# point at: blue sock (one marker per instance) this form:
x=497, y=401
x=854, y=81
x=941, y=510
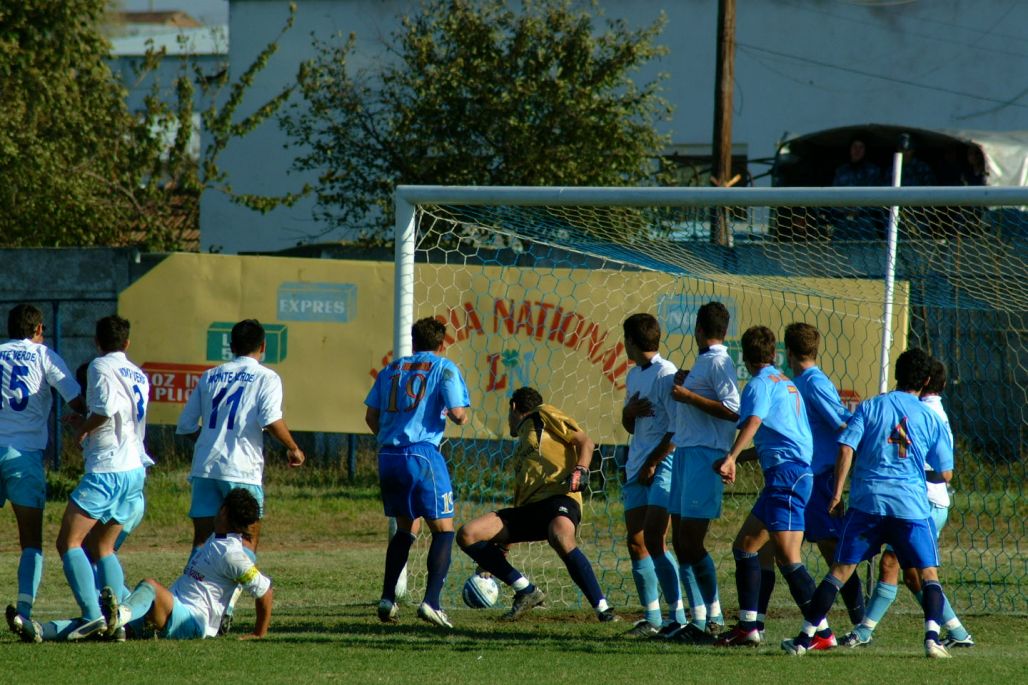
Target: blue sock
x=666, y=568
x=438, y=566
x=801, y=586
x=747, y=583
x=396, y=558
x=140, y=600
x=931, y=601
x=581, y=571
x=819, y=605
x=767, y=587
x=30, y=570
x=881, y=599
x=79, y=573
x=646, y=585
x=110, y=574
x=692, y=592
x=853, y=596
x=492, y=559
x=706, y=579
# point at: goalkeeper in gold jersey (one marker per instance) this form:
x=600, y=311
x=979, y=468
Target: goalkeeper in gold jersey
x=551, y=463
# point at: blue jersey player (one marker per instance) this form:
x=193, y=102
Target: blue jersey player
x=772, y=415
x=887, y=444
x=828, y=417
x=407, y=410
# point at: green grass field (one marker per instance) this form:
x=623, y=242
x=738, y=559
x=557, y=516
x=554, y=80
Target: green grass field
x=323, y=544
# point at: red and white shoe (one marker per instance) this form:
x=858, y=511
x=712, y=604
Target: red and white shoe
x=739, y=637
x=823, y=644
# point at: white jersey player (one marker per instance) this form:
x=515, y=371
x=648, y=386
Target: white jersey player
x=232, y=406
x=28, y=369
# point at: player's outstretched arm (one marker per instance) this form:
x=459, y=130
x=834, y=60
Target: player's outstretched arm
x=459, y=415
x=280, y=431
x=262, y=605
x=745, y=436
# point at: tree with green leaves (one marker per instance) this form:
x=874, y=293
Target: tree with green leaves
x=478, y=93
x=79, y=168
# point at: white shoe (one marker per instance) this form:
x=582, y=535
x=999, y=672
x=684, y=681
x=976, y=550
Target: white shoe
x=388, y=611
x=790, y=647
x=434, y=616
x=88, y=629
x=935, y=650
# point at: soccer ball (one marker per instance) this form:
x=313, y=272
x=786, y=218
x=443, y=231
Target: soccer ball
x=480, y=592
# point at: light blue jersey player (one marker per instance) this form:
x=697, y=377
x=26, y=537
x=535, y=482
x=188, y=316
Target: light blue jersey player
x=773, y=416
x=889, y=568
x=888, y=442
x=28, y=370
x=646, y=416
x=828, y=417
x=407, y=409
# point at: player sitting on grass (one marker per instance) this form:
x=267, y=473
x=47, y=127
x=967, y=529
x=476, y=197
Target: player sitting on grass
x=551, y=468
x=887, y=443
x=193, y=606
x=407, y=409
x=707, y=399
x=28, y=370
x=771, y=414
x=888, y=568
x=648, y=477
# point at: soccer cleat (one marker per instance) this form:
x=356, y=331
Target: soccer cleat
x=823, y=644
x=793, y=648
x=436, y=617
x=26, y=629
x=641, y=629
x=935, y=650
x=692, y=634
x=523, y=601
x=854, y=639
x=715, y=626
x=388, y=611
x=739, y=637
x=225, y=627
x=119, y=635
x=949, y=642
x=110, y=609
x=86, y=629
x=669, y=631
x=607, y=616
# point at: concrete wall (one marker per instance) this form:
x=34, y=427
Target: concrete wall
x=801, y=65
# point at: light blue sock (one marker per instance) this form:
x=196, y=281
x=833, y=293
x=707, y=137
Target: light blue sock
x=79, y=573
x=706, y=578
x=58, y=630
x=881, y=599
x=646, y=583
x=141, y=599
x=666, y=567
x=110, y=574
x=954, y=628
x=30, y=570
x=692, y=593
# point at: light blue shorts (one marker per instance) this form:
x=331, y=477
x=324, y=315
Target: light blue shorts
x=22, y=479
x=695, y=489
x=209, y=494
x=181, y=625
x=636, y=495
x=112, y=496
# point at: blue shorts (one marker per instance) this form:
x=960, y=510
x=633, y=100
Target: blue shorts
x=112, y=496
x=783, y=499
x=940, y=515
x=415, y=482
x=636, y=495
x=819, y=524
x=695, y=488
x=181, y=625
x=22, y=479
x=210, y=493
x=863, y=535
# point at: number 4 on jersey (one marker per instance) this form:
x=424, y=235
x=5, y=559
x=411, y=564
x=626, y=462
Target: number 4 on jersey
x=900, y=438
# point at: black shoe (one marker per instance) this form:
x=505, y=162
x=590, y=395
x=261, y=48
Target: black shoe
x=607, y=615
x=523, y=601
x=669, y=631
x=693, y=635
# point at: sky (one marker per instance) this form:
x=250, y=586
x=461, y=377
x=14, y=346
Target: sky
x=207, y=11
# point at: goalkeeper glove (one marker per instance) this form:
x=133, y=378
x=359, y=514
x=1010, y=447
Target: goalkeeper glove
x=579, y=479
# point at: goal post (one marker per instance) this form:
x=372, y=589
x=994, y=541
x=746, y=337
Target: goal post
x=533, y=284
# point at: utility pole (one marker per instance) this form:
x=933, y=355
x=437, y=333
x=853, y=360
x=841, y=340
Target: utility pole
x=721, y=170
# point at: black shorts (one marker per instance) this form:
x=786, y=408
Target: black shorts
x=531, y=522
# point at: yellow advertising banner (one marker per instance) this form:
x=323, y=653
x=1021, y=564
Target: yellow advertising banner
x=330, y=330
